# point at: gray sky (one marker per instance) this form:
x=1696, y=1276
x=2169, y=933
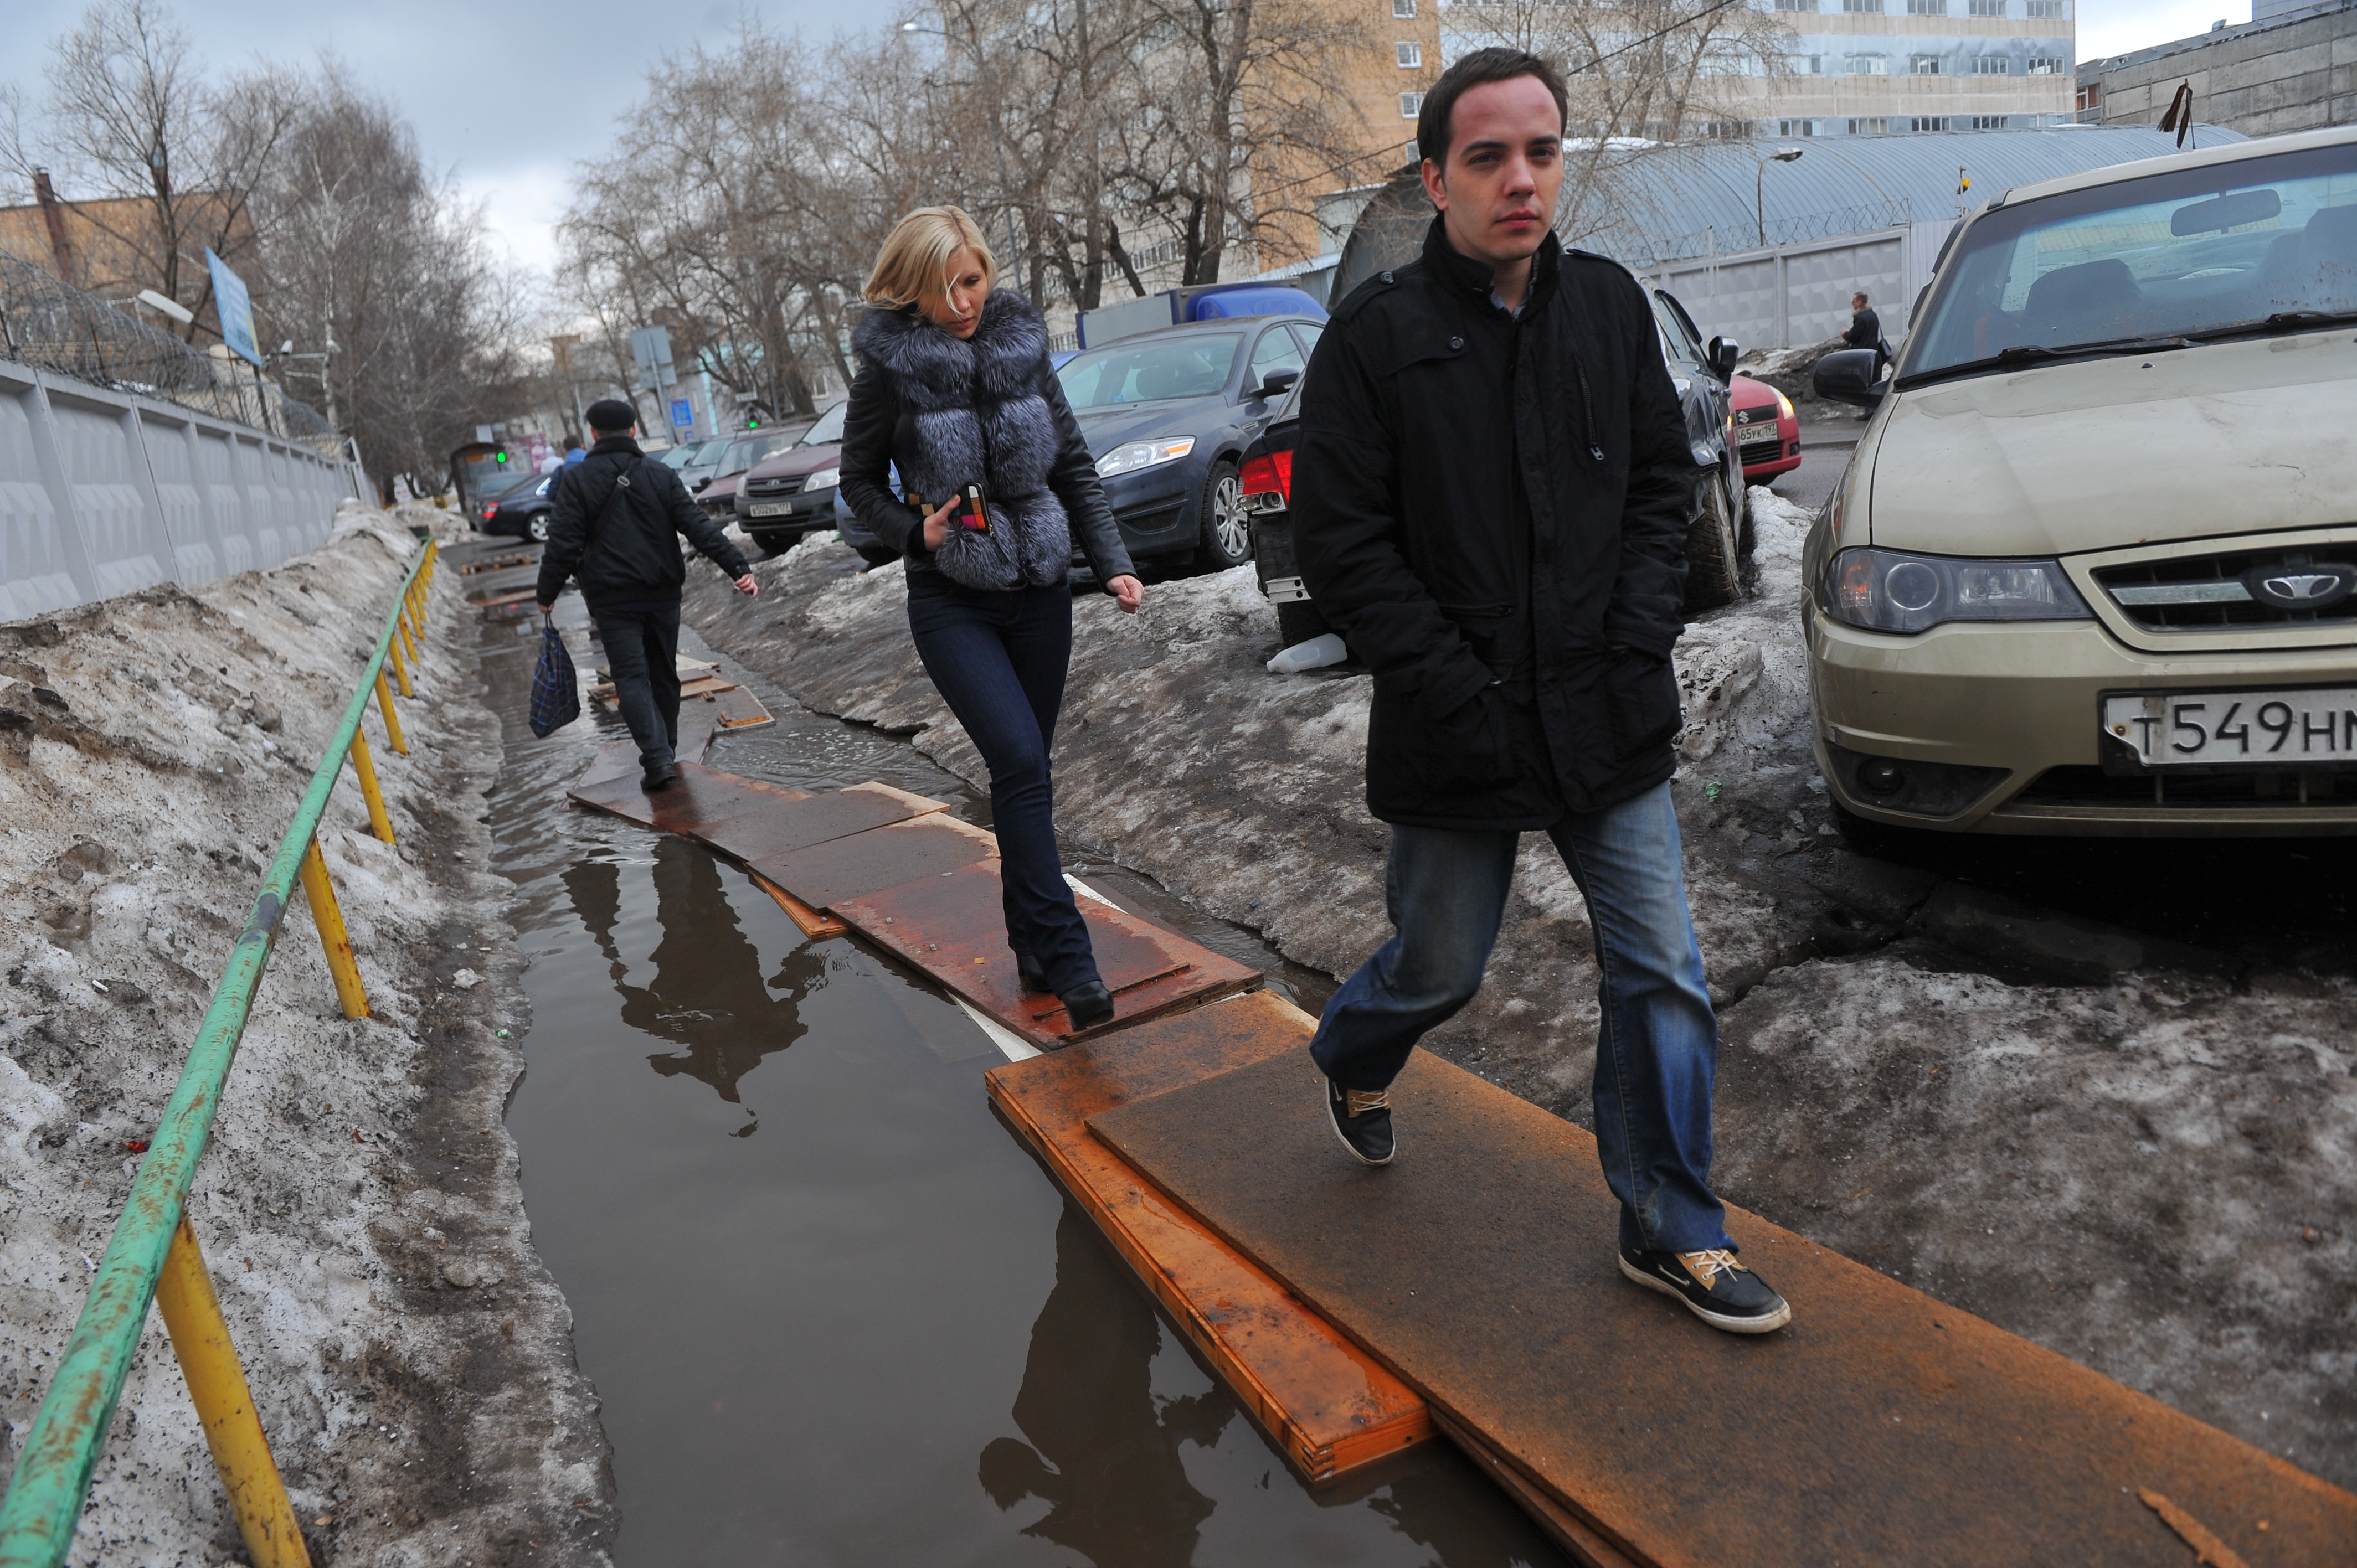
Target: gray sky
x=507, y=96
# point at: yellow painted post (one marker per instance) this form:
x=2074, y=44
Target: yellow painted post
x=391, y=719
x=379, y=823
x=225, y=1405
x=330, y=918
x=400, y=671
x=402, y=623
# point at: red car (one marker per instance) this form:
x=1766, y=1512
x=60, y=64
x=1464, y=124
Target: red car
x=1767, y=431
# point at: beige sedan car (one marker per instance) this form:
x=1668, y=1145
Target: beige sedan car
x=2093, y=568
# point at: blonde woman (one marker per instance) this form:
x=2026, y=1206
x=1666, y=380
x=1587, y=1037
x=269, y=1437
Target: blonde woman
x=954, y=390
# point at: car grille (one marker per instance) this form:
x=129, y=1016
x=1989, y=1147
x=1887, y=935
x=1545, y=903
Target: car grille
x=772, y=487
x=2206, y=592
x=2093, y=787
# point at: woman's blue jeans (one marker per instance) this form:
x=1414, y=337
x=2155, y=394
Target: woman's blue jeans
x=999, y=660
x=1657, y=1037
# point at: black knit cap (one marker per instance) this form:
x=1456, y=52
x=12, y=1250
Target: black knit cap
x=612, y=417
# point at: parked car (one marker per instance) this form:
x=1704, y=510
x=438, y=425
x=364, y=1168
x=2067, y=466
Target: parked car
x=718, y=498
x=1767, y=430
x=855, y=533
x=2093, y=567
x=791, y=494
x=1700, y=373
x=522, y=509
x=1168, y=414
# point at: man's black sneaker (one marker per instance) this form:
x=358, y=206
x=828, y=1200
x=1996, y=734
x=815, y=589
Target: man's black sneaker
x=1362, y=1120
x=655, y=778
x=1715, y=1287
x=1087, y=1004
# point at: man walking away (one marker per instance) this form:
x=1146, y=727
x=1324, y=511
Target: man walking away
x=1494, y=484
x=1865, y=329
x=613, y=524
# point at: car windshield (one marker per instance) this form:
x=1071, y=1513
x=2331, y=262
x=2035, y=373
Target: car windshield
x=752, y=450
x=829, y=427
x=1149, y=372
x=2201, y=251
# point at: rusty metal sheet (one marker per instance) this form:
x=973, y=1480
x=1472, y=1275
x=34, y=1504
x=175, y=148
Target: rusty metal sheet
x=699, y=800
x=954, y=927
x=1882, y=1427
x=738, y=708
x=768, y=830
x=1326, y=1405
x=827, y=874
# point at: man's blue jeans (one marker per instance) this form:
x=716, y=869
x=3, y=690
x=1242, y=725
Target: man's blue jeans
x=1657, y=1037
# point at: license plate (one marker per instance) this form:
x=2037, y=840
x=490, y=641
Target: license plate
x=2175, y=729
x=768, y=508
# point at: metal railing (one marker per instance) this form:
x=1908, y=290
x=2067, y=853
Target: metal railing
x=56, y=327
x=153, y=1254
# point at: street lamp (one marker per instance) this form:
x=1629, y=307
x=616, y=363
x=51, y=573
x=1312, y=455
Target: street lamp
x=1760, y=188
x=998, y=144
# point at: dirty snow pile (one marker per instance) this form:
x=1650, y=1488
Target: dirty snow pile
x=357, y=1205
x=2153, y=1172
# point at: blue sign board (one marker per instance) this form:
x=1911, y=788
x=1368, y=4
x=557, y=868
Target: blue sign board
x=682, y=413
x=235, y=307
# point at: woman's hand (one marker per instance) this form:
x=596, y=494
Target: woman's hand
x=1129, y=592
x=937, y=525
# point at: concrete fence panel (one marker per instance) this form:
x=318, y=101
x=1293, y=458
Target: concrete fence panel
x=40, y=567
x=113, y=494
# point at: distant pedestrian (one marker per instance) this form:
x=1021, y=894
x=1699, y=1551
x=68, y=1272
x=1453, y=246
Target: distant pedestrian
x=1865, y=330
x=954, y=388
x=614, y=524
x=573, y=452
x=1490, y=502
x=551, y=463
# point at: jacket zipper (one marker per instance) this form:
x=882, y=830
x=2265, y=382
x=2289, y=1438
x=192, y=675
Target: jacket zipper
x=1586, y=412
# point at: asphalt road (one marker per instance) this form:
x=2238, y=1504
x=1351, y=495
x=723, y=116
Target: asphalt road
x=1825, y=450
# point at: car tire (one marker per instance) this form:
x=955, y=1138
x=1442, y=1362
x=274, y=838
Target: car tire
x=1299, y=621
x=1226, y=533
x=536, y=529
x=1746, y=537
x=1713, y=560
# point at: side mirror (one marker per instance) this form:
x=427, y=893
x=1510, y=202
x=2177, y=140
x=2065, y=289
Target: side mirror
x=1849, y=376
x=1277, y=382
x=1724, y=352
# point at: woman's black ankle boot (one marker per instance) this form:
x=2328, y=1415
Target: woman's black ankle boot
x=1034, y=977
x=1087, y=1006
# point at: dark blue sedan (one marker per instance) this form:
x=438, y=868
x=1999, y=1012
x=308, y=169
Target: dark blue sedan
x=1168, y=415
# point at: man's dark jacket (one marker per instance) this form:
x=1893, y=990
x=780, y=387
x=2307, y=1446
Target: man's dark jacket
x=1493, y=512
x=628, y=553
x=1865, y=329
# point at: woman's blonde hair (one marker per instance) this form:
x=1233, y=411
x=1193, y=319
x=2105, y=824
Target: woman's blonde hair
x=914, y=264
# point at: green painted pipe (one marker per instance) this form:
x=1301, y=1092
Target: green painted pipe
x=45, y=1497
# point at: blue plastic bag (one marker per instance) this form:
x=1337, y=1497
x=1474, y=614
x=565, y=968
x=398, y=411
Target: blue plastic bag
x=555, y=694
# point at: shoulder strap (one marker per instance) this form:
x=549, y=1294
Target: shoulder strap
x=620, y=487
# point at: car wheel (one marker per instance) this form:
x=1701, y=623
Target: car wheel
x=1227, y=526
x=1746, y=537
x=1712, y=558
x=1298, y=621
x=537, y=529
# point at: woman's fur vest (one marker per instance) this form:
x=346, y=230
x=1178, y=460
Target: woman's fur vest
x=979, y=416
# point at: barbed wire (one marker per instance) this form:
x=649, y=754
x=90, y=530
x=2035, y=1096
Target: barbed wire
x=53, y=326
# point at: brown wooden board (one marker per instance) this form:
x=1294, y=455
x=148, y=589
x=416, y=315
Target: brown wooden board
x=827, y=874
x=1882, y=1427
x=813, y=923
x=954, y=927
x=1327, y=1406
x=740, y=709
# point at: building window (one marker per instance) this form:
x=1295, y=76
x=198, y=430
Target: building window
x=1991, y=65
x=2049, y=10
x=1727, y=130
x=1990, y=121
x=1796, y=127
x=1878, y=126
x=1410, y=56
x=1926, y=7
x=1402, y=9
x=1805, y=65
x=1924, y=65
x=1984, y=8
x=1796, y=4
x=2050, y=66
x=1928, y=123
x=1870, y=7
x=1411, y=106
x=1869, y=65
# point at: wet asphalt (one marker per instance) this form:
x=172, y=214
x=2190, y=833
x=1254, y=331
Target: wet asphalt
x=835, y=1312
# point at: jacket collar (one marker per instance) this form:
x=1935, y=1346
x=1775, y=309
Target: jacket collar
x=1464, y=276
x=615, y=444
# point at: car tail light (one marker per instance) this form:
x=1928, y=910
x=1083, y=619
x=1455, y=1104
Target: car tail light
x=1268, y=481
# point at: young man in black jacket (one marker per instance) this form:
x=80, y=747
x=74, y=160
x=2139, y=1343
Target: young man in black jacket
x=614, y=522
x=1491, y=499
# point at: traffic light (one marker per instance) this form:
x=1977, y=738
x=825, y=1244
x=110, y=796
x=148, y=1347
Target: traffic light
x=752, y=421
x=501, y=456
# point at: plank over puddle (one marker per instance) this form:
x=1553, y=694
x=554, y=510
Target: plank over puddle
x=1325, y=1404
x=1882, y=1427
x=954, y=927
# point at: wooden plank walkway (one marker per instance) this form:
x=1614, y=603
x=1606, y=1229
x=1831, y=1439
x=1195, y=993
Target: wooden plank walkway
x=1470, y=1288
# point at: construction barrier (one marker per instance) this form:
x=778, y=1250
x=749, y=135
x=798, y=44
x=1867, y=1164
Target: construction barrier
x=153, y=1255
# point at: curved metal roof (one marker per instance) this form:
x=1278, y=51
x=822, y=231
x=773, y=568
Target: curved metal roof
x=1676, y=202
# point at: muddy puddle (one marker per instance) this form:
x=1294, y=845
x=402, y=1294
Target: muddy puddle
x=835, y=1312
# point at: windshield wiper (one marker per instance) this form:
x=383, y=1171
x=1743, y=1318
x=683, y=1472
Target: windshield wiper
x=2282, y=321
x=2041, y=354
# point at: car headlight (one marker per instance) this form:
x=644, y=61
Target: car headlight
x=1131, y=456
x=824, y=480
x=1888, y=590
x=1785, y=407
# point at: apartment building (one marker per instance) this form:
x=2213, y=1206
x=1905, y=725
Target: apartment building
x=1888, y=67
